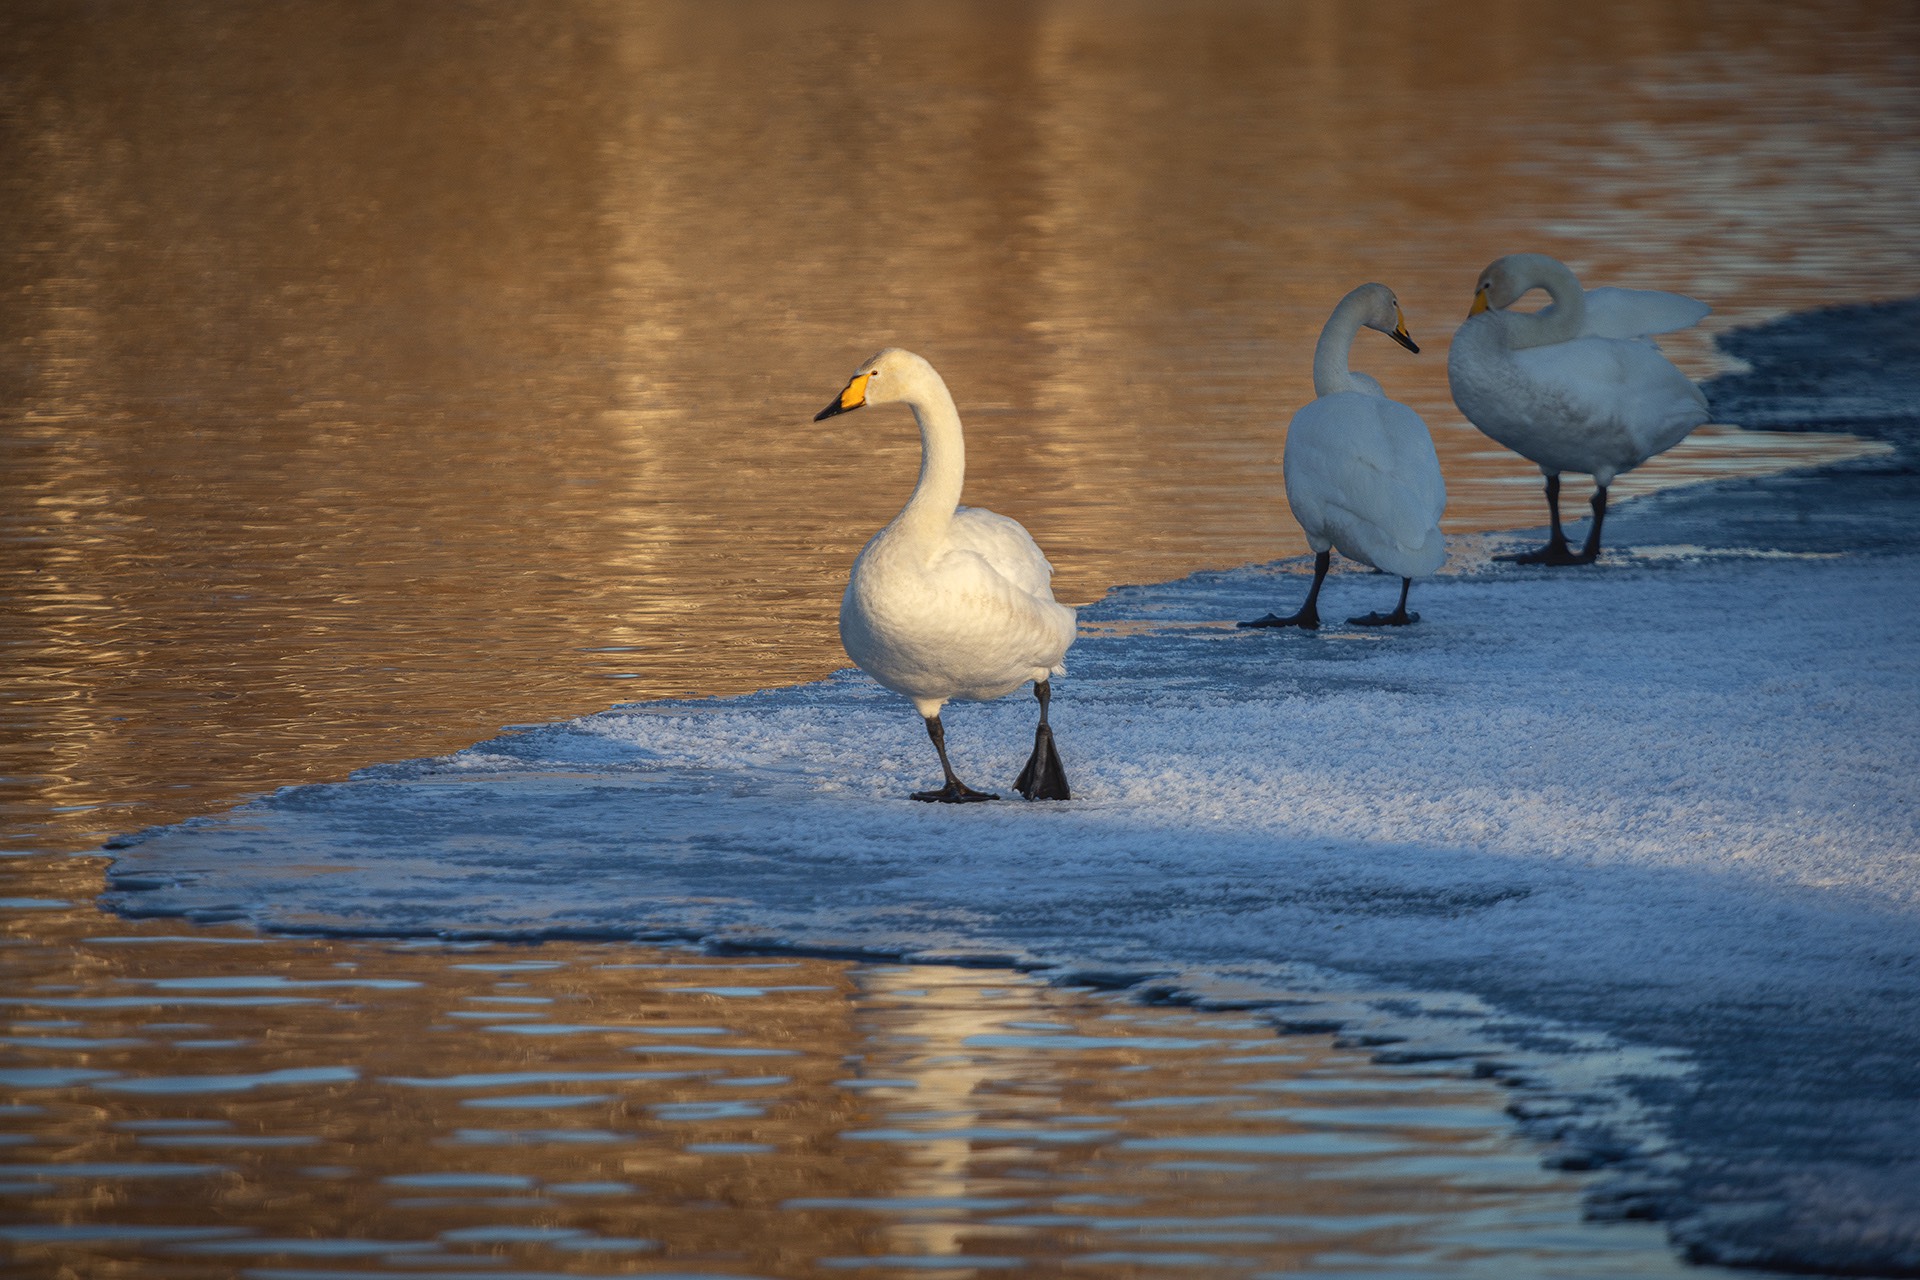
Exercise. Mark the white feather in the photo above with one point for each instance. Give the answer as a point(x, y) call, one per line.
point(1639, 313)
point(1363, 477)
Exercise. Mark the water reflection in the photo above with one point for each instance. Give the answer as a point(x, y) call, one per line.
point(380, 377)
point(790, 1118)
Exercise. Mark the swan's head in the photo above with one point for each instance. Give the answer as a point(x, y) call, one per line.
point(1381, 310)
point(888, 378)
point(1507, 279)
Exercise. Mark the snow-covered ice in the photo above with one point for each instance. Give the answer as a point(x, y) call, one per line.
point(1675, 800)
point(1644, 836)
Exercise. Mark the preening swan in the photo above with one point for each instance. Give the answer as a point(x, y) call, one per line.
point(950, 601)
point(1574, 386)
point(1362, 473)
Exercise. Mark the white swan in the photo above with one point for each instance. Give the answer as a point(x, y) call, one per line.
point(950, 601)
point(1362, 473)
point(1574, 386)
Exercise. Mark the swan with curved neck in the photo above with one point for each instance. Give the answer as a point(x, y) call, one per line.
point(949, 601)
point(1574, 386)
point(1371, 306)
point(1361, 470)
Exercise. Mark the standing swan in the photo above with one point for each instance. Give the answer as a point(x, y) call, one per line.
point(950, 601)
point(1362, 474)
point(1574, 386)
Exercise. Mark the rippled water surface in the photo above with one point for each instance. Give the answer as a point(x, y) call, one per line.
point(305, 1108)
point(373, 376)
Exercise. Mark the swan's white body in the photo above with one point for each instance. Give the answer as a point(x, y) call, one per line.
point(947, 601)
point(1575, 386)
point(1362, 473)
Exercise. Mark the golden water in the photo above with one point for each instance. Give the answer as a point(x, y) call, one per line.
point(203, 1104)
point(372, 376)
point(377, 376)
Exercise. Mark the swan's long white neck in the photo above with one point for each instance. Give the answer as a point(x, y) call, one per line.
point(943, 460)
point(1330, 354)
point(1561, 322)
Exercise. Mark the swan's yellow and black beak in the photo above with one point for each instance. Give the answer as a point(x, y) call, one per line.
point(1479, 302)
point(852, 398)
point(1400, 334)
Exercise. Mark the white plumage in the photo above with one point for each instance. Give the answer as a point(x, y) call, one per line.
point(1361, 470)
point(964, 614)
point(1575, 386)
point(1363, 478)
point(948, 601)
point(1638, 313)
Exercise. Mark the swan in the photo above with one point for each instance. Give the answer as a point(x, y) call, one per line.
point(1575, 386)
point(949, 601)
point(1362, 474)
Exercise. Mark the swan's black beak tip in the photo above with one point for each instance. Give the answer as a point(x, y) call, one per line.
point(829, 411)
point(1404, 340)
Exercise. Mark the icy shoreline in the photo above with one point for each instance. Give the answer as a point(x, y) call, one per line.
point(1668, 804)
point(1745, 896)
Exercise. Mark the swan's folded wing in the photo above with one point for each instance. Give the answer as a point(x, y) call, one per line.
point(1371, 458)
point(994, 567)
point(1609, 385)
point(1636, 313)
point(1006, 546)
point(1410, 474)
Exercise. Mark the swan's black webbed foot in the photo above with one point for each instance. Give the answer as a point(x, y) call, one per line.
point(1591, 552)
point(955, 792)
point(1306, 620)
point(1044, 778)
point(1556, 551)
point(1398, 618)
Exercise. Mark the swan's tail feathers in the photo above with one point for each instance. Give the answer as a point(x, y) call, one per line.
point(1044, 778)
point(1430, 555)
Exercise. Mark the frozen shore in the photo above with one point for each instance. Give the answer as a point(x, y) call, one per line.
point(1645, 836)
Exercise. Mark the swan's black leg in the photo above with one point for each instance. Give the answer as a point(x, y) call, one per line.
point(1043, 778)
point(1556, 551)
point(1308, 618)
point(1591, 552)
point(956, 791)
point(1398, 618)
